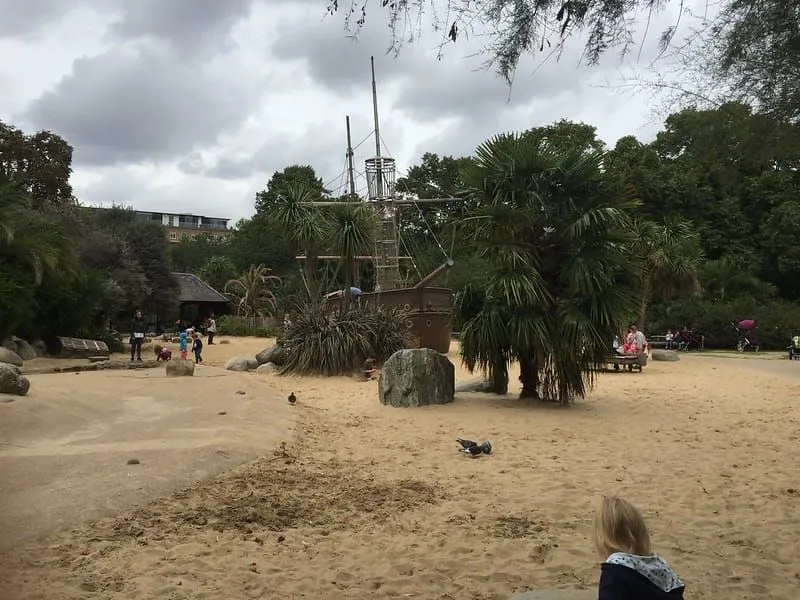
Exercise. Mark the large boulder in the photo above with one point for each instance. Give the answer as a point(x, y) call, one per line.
point(9, 357)
point(25, 350)
point(241, 363)
point(417, 377)
point(275, 354)
point(267, 369)
point(12, 381)
point(40, 347)
point(665, 355)
point(180, 368)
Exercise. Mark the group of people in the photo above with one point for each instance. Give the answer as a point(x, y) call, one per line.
point(186, 336)
point(634, 343)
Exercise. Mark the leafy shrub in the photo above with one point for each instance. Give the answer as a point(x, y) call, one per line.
point(776, 320)
point(338, 343)
point(234, 326)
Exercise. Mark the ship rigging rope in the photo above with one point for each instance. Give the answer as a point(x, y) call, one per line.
point(342, 177)
point(419, 210)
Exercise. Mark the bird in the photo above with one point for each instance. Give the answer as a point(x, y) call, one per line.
point(473, 448)
point(465, 444)
point(292, 398)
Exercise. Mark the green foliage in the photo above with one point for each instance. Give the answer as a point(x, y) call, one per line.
point(567, 136)
point(40, 163)
point(554, 228)
point(251, 293)
point(752, 50)
point(513, 28)
point(338, 343)
point(236, 326)
point(217, 271)
point(669, 256)
point(777, 320)
point(296, 176)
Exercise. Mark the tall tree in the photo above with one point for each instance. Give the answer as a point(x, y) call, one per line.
point(252, 293)
point(568, 136)
point(669, 258)
point(352, 232)
point(41, 163)
point(294, 176)
point(306, 227)
point(552, 226)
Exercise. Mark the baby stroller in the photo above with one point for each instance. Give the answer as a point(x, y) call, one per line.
point(746, 332)
point(794, 349)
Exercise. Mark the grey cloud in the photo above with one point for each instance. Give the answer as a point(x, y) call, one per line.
point(320, 142)
point(23, 17)
point(335, 61)
point(189, 24)
point(141, 103)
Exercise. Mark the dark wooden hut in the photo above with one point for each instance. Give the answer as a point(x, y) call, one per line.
point(197, 300)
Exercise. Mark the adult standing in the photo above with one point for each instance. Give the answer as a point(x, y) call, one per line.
point(137, 335)
point(212, 329)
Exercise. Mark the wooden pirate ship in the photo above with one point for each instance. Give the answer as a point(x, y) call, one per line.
point(430, 308)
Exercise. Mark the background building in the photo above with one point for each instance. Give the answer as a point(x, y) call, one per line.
point(178, 226)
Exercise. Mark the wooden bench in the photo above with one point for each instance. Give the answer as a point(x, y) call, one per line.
point(634, 362)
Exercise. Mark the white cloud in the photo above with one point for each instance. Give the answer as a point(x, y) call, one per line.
point(192, 105)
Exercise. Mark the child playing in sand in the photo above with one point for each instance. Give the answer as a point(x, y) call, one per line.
point(184, 345)
point(197, 348)
point(631, 571)
point(370, 372)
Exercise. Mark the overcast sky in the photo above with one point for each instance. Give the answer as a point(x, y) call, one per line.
point(191, 105)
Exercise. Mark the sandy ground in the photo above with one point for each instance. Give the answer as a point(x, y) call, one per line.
point(64, 448)
point(370, 501)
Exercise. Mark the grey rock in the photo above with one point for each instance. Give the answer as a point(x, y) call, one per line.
point(241, 363)
point(267, 369)
point(665, 355)
point(477, 385)
point(417, 377)
point(275, 354)
point(180, 368)
point(9, 357)
point(24, 349)
point(556, 595)
point(12, 381)
point(40, 347)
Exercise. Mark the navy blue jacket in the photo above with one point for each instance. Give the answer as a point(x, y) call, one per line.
point(618, 582)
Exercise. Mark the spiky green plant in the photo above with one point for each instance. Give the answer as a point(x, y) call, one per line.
point(320, 342)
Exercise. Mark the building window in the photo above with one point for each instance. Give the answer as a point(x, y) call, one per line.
point(173, 236)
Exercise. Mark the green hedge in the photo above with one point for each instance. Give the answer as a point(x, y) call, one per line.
point(231, 325)
point(777, 321)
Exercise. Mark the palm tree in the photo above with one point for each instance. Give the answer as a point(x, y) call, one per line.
point(251, 292)
point(352, 232)
point(669, 255)
point(722, 277)
point(553, 226)
point(306, 228)
point(216, 271)
point(29, 238)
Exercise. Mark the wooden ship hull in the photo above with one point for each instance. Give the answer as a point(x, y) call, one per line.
point(430, 313)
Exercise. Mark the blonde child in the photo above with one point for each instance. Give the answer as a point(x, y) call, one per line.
point(630, 570)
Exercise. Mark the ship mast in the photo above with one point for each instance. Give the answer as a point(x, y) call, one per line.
point(380, 173)
point(350, 169)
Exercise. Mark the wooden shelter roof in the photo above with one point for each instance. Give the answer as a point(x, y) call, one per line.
point(194, 290)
